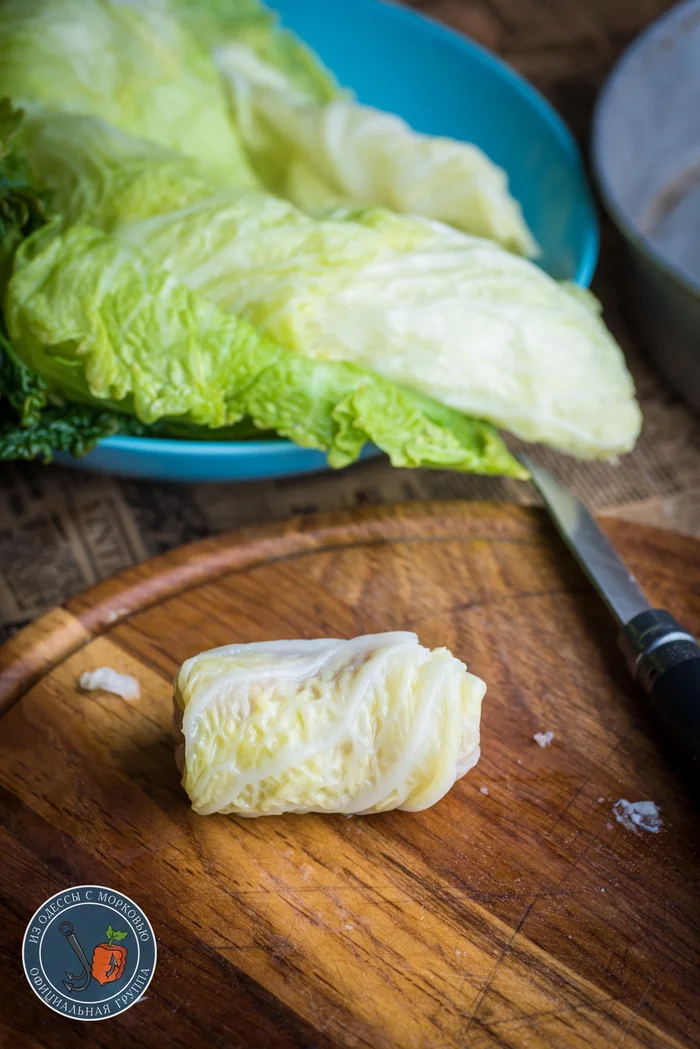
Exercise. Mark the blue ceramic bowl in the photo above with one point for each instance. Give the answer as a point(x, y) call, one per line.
point(440, 83)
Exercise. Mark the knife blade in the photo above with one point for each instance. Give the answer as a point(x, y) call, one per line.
point(662, 656)
point(590, 546)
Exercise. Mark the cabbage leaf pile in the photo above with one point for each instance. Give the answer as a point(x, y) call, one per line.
point(208, 238)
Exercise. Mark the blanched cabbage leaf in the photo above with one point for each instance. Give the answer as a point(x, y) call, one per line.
point(360, 726)
point(101, 324)
point(312, 144)
point(216, 23)
point(455, 317)
point(322, 155)
point(129, 61)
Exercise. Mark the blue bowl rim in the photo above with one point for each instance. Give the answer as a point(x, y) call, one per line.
point(243, 449)
point(613, 204)
point(583, 276)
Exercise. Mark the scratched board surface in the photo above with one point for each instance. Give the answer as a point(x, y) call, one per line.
point(516, 912)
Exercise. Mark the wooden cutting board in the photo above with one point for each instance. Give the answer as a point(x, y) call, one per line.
point(517, 912)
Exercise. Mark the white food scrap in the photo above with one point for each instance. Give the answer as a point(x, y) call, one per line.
point(637, 815)
point(483, 790)
point(110, 681)
point(543, 739)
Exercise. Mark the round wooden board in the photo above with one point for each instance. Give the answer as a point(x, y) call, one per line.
point(517, 912)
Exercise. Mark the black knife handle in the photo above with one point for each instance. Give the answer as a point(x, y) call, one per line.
point(665, 660)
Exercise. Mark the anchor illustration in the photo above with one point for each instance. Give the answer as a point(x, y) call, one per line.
point(108, 961)
point(80, 981)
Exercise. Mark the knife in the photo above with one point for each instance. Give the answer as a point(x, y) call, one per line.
point(662, 656)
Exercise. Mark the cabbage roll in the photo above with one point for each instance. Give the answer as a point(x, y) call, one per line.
point(360, 726)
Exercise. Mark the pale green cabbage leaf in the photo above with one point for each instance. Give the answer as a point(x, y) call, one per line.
point(360, 726)
point(451, 316)
point(128, 61)
point(216, 23)
point(102, 324)
point(311, 143)
point(339, 152)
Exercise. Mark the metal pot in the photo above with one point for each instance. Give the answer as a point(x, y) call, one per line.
point(646, 157)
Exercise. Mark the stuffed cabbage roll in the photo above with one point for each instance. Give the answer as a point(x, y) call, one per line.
point(360, 726)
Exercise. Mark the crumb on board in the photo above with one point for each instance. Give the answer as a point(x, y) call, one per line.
point(637, 815)
point(109, 680)
point(601, 800)
point(483, 790)
point(543, 739)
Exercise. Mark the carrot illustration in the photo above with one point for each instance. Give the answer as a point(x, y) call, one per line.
point(109, 959)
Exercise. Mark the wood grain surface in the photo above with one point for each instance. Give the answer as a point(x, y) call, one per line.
point(524, 917)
